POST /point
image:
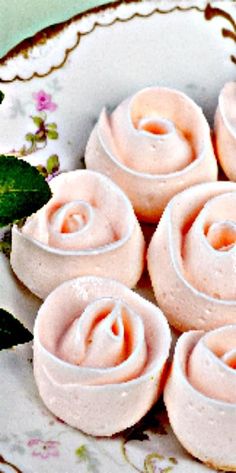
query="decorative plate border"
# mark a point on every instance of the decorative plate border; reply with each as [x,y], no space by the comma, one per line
[56,31]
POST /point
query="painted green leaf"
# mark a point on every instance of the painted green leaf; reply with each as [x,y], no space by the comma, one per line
[12,331]
[29,137]
[52,134]
[52,126]
[23,190]
[1,96]
[42,170]
[52,163]
[82,453]
[37,120]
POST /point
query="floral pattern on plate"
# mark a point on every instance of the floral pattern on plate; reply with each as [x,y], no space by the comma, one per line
[33,440]
[44,130]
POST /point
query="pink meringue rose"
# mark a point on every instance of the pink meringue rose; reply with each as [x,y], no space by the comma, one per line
[99,354]
[200,395]
[153,145]
[192,257]
[87,227]
[225,130]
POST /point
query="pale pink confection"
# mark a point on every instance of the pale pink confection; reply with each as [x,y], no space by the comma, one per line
[192,257]
[100,352]
[154,144]
[225,130]
[87,227]
[200,395]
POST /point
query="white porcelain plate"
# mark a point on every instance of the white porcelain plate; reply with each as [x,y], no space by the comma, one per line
[94,60]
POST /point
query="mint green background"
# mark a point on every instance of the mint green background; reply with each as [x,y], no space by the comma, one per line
[20,19]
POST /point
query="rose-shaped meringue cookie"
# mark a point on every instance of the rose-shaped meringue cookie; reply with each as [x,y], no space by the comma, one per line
[87,227]
[192,257]
[200,395]
[153,145]
[99,354]
[225,130]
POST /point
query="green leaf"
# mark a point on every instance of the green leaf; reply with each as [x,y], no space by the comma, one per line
[84,455]
[29,137]
[52,126]
[1,96]
[82,452]
[52,134]
[37,120]
[23,190]
[52,164]
[12,331]
[42,170]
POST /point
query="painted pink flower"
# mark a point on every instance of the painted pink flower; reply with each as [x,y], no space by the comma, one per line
[44,101]
[43,449]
